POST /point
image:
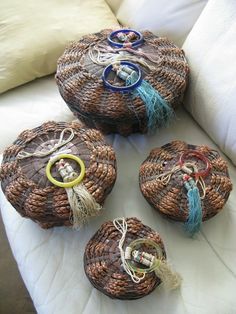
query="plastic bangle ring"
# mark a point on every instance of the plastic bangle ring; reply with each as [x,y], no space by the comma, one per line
[128,88]
[150,243]
[52,161]
[134,44]
[200,156]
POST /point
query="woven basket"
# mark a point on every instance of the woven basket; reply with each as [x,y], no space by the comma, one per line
[26,185]
[168,194]
[102,261]
[80,82]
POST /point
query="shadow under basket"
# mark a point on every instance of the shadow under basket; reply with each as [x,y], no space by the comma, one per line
[97,94]
[185,182]
[33,193]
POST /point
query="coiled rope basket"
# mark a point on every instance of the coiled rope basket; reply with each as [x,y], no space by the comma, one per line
[185,182]
[126,259]
[58,173]
[123,81]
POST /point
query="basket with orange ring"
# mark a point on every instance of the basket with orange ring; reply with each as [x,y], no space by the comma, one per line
[185,182]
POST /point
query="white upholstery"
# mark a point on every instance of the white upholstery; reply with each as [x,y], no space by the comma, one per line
[210,49]
[32,104]
[173,19]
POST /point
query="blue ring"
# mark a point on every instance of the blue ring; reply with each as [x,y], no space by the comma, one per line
[136,43]
[128,88]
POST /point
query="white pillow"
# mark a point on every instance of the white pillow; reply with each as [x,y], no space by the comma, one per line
[33,34]
[211,50]
[173,19]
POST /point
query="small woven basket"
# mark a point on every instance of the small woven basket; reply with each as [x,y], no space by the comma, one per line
[103,103]
[23,171]
[103,265]
[165,175]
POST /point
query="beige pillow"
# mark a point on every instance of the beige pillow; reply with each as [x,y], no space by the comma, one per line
[33,34]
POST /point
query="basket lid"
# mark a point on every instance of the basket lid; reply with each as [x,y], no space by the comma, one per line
[170,171]
[80,70]
[23,170]
[103,263]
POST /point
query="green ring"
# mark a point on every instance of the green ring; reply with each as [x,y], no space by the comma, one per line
[133,244]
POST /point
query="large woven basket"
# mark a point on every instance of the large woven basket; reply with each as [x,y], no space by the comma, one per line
[24,180]
[103,266]
[166,191]
[80,82]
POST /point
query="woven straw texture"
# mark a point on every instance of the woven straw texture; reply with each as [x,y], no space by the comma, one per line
[102,261]
[171,199]
[26,186]
[80,84]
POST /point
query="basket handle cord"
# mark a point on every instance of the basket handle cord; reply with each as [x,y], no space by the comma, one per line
[192,176]
[105,55]
[83,204]
[121,225]
[162,270]
[61,142]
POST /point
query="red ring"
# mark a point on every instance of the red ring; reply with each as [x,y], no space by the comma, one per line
[200,156]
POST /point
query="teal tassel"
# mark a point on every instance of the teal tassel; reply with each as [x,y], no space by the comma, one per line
[194,221]
[159,113]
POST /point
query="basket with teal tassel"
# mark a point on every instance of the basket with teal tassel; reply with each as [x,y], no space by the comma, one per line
[123,81]
[185,182]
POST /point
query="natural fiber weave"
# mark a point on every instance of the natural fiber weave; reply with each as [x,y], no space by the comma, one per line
[80,84]
[102,261]
[171,199]
[26,186]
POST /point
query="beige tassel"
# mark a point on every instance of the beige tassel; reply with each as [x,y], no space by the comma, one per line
[83,205]
[170,278]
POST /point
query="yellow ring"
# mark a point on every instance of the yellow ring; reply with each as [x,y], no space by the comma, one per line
[52,161]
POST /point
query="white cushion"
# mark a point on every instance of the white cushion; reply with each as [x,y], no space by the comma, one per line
[211,49]
[173,19]
[28,106]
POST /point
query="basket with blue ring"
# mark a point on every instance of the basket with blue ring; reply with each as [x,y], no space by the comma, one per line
[123,81]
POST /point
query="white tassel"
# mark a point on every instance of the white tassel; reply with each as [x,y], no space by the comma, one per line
[83,205]
[170,278]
